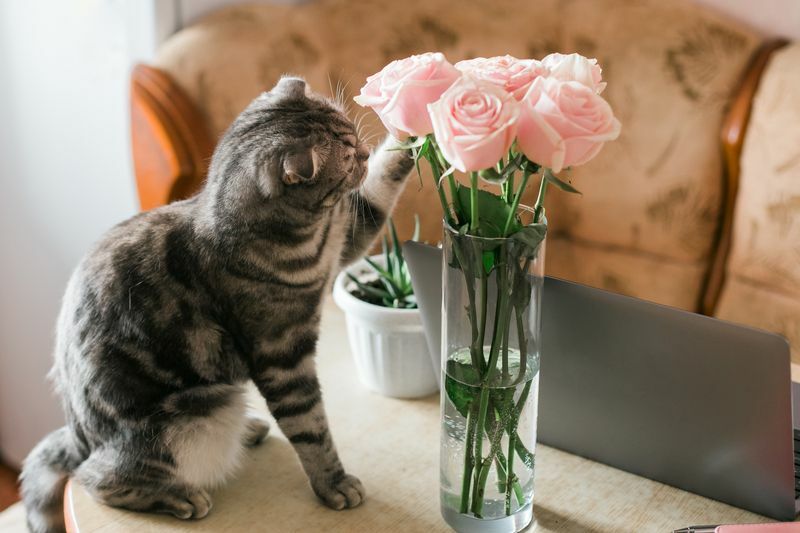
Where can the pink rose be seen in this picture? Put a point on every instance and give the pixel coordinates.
(575, 67)
(512, 74)
(564, 123)
(474, 122)
(400, 92)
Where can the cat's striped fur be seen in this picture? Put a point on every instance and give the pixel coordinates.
(174, 310)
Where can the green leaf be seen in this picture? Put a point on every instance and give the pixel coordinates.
(494, 211)
(396, 264)
(395, 241)
(531, 237)
(420, 153)
(372, 291)
(415, 236)
(377, 268)
(526, 456)
(563, 185)
(455, 385)
(491, 175)
(488, 260)
(385, 249)
(391, 287)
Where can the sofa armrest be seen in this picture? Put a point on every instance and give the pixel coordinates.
(169, 139)
(732, 140)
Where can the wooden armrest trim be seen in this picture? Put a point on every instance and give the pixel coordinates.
(170, 139)
(732, 135)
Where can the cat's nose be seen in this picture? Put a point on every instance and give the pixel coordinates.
(362, 152)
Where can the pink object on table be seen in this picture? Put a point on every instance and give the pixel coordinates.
(780, 527)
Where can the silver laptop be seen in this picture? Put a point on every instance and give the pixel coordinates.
(688, 400)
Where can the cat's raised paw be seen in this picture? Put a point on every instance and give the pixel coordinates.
(344, 492)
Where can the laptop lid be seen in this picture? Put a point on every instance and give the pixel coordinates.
(684, 399)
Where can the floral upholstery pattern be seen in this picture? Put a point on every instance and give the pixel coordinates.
(762, 286)
(647, 222)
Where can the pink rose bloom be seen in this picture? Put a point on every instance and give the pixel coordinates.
(564, 123)
(512, 74)
(400, 92)
(575, 67)
(474, 122)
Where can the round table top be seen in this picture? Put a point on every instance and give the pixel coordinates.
(393, 446)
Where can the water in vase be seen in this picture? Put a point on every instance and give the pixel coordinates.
(487, 483)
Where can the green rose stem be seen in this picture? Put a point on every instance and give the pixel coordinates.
(502, 275)
(499, 337)
(482, 474)
(477, 351)
(475, 463)
(523, 363)
(476, 466)
(474, 218)
(512, 427)
(451, 180)
(437, 176)
(538, 209)
(437, 163)
(515, 204)
(469, 462)
(508, 186)
(501, 325)
(501, 474)
(477, 494)
(510, 472)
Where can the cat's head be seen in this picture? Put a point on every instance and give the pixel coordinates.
(295, 146)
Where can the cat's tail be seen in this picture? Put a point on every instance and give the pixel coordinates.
(44, 475)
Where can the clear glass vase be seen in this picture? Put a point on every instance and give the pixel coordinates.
(491, 340)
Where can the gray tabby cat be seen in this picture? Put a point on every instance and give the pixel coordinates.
(169, 316)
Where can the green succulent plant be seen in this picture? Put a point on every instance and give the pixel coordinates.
(392, 288)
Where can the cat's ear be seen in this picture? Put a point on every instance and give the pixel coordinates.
(301, 166)
(291, 87)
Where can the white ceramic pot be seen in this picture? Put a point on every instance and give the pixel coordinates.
(389, 345)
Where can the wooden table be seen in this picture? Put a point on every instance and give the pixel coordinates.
(393, 446)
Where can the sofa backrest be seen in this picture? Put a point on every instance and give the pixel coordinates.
(649, 217)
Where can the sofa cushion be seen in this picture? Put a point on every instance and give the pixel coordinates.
(651, 199)
(762, 286)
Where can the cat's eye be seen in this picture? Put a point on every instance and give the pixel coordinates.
(349, 140)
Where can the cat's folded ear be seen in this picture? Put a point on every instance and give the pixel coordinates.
(291, 87)
(301, 165)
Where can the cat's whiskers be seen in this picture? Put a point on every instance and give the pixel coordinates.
(330, 85)
(354, 210)
(369, 137)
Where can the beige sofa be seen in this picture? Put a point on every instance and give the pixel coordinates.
(662, 216)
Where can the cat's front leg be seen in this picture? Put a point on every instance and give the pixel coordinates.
(288, 381)
(372, 203)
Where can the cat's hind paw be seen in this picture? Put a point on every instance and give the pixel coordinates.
(343, 492)
(195, 504)
(256, 431)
